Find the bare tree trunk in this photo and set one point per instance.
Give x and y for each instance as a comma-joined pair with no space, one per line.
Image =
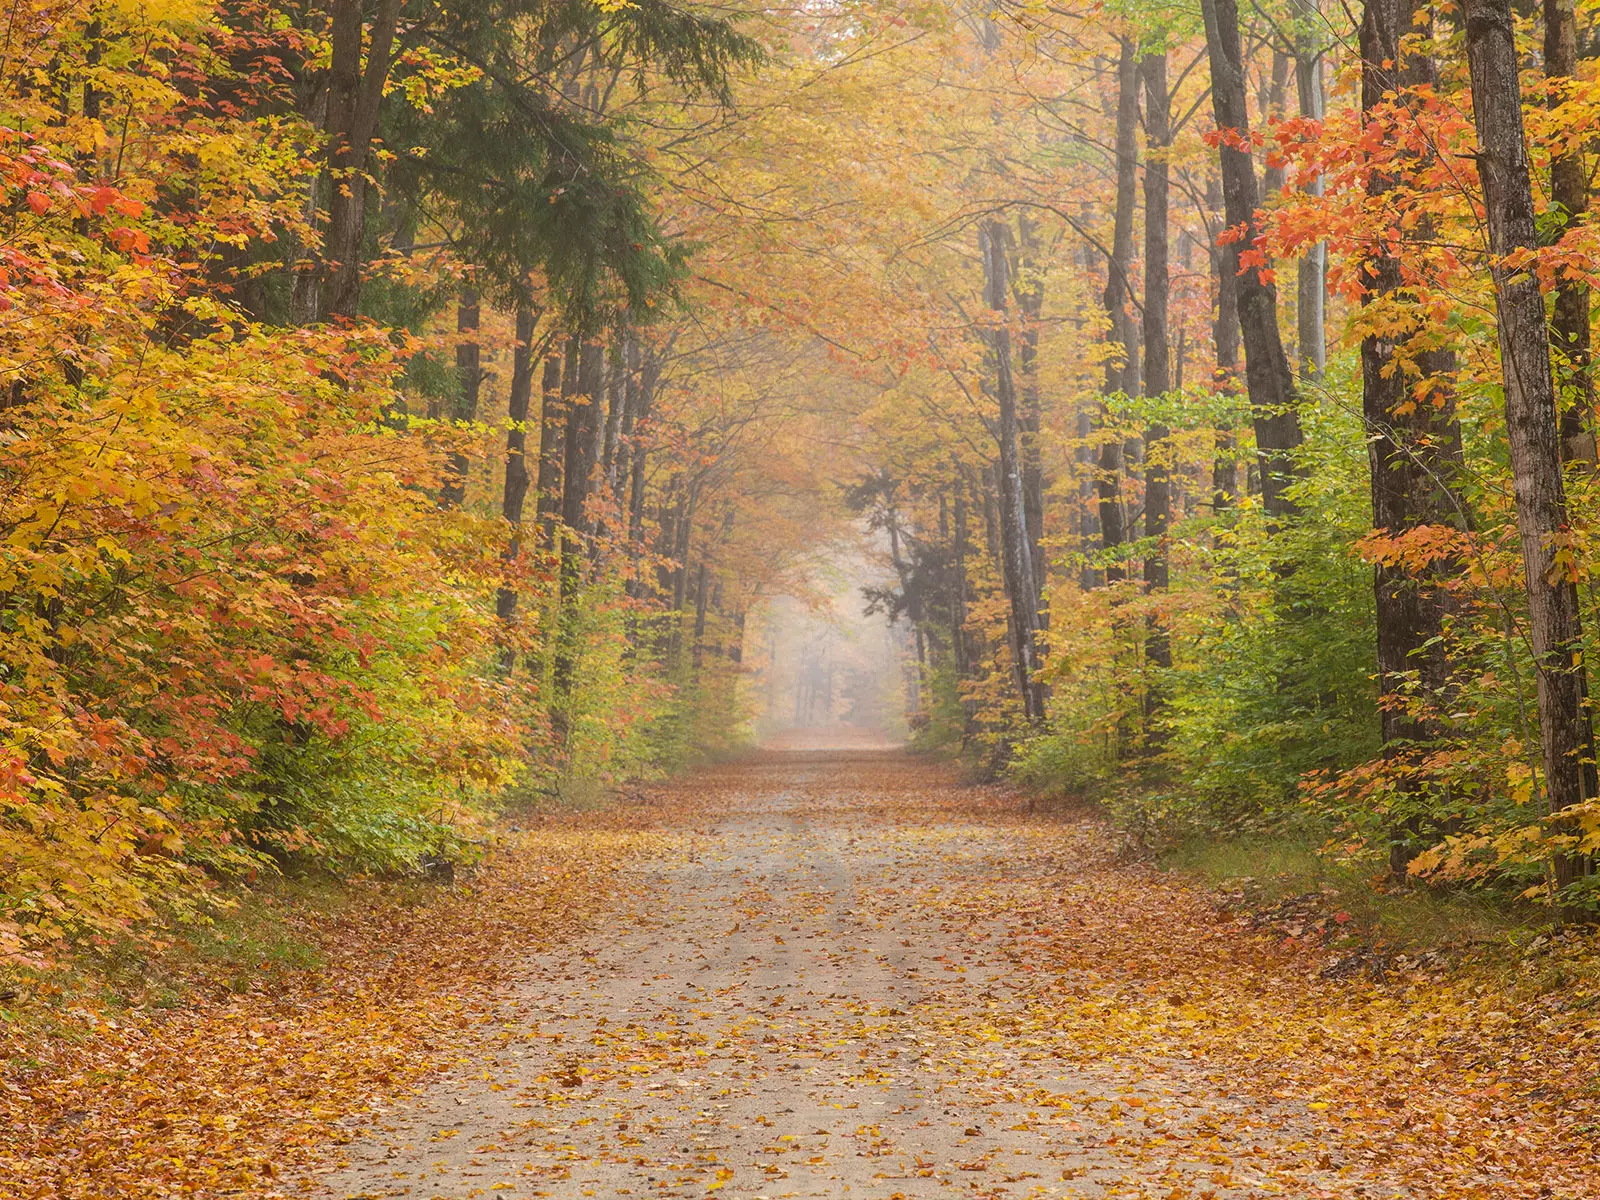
1273,401
1021,587
305,290
1157,367
582,424
616,401
1566,734
469,377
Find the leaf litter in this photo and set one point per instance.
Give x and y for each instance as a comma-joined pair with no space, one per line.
813,975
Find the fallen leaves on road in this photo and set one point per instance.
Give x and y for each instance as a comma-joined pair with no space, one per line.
864,973
230,1097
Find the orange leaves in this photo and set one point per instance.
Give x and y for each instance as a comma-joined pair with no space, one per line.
231,1086
1418,550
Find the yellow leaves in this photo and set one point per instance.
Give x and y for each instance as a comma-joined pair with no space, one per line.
174,14
723,1177
1520,781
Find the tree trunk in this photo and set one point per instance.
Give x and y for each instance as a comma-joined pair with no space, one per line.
1029,291
617,468
1312,269
516,485
649,376
1569,200
576,476
578,458
1021,587
958,585
1088,499
699,652
1273,401
1566,735
552,442
616,401
1225,338
354,95
1271,111
1120,374
469,378
1414,443
1157,367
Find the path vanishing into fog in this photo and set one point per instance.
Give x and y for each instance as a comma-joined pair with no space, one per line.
851,976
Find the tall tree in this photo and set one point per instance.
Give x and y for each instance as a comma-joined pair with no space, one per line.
1029,288
1022,589
1273,401
1225,339
1157,368
1311,271
469,380
553,416
1413,437
1569,200
517,477
579,458
1121,369
358,71
1555,628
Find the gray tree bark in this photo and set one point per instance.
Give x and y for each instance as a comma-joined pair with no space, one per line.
1414,444
1157,366
1569,200
1273,401
1566,733
1021,587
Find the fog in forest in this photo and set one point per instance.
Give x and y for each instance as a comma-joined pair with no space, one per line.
828,673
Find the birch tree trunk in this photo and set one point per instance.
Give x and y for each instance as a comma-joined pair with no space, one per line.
1312,269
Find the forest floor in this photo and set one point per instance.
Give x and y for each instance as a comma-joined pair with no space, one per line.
828,973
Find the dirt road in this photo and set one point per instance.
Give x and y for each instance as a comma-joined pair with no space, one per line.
855,978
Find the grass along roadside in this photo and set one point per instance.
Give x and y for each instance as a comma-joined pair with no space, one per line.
225,1065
